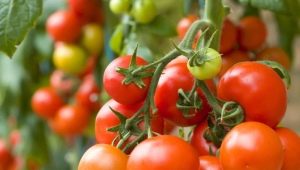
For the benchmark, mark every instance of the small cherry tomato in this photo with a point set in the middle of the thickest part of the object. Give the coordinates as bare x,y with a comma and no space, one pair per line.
45,102
163,153
275,54
92,38
103,157
184,24
63,83
209,162
119,6
228,37
143,11
85,11
251,145
6,157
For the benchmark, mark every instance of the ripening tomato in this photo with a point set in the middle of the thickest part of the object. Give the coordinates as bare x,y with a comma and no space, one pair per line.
88,94
143,11
92,38
63,26
228,37
45,102
103,157
63,83
184,24
86,11
251,145
198,141
258,89
252,33
290,142
69,58
166,96
70,120
275,54
163,152
6,157
209,162
114,86
106,119
119,6
228,60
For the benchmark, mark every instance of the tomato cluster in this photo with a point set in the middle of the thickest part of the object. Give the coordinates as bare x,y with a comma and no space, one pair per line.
73,94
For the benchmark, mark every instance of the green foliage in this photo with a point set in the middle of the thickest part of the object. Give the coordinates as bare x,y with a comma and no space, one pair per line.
17,17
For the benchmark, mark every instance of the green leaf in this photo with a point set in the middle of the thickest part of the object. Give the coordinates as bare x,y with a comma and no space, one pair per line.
17,17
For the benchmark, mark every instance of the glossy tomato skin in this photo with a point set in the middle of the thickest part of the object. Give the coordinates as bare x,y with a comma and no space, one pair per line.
228,36
103,157
88,94
63,26
106,119
258,89
6,157
198,141
275,54
252,33
112,82
70,120
251,145
208,162
290,142
166,96
184,24
163,152
45,102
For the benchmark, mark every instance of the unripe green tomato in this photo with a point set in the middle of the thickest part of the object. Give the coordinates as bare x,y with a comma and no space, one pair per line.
119,6
210,68
144,11
92,38
69,58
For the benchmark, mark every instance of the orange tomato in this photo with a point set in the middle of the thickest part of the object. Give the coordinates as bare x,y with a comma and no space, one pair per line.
275,54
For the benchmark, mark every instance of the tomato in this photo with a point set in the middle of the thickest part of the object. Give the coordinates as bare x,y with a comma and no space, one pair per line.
119,6
228,60
275,54
92,38
85,10
198,141
166,96
290,142
88,94
113,82
90,66
69,58
106,119
209,66
251,145
209,162
163,152
6,157
169,127
258,89
252,33
63,26
63,82
70,120
228,36
45,102
103,157
15,138
184,24
144,11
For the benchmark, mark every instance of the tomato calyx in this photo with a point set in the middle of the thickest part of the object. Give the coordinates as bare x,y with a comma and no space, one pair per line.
133,76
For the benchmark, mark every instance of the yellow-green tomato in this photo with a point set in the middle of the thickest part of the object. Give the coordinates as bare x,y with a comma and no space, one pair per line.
144,11
92,38
207,67
69,58
119,6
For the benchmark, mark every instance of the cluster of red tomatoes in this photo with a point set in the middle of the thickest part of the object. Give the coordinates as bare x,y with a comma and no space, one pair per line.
73,95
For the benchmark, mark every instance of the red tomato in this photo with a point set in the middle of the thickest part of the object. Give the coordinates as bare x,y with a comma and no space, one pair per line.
63,26
106,119
169,127
6,157
275,54
103,157
258,89
45,102
63,83
166,96
228,36
290,142
90,66
252,33
88,94
112,82
86,11
209,162
180,59
163,153
228,60
15,137
70,120
198,141
251,145
184,24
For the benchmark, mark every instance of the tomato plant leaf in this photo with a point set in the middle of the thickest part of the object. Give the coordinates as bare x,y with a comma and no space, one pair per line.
17,17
